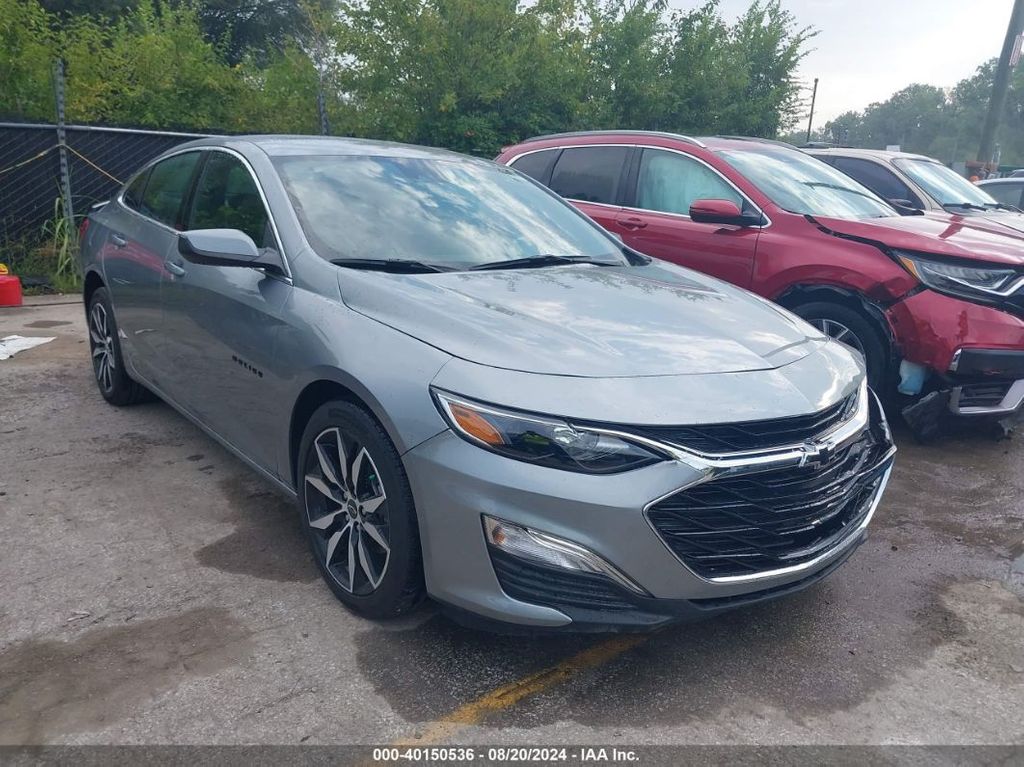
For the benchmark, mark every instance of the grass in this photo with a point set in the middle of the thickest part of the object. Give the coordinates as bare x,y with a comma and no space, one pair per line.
50,256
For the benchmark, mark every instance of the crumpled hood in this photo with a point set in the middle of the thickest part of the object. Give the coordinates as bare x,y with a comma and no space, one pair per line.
969,237
583,320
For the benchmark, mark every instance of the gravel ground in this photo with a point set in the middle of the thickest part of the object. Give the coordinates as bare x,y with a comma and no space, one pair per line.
157,591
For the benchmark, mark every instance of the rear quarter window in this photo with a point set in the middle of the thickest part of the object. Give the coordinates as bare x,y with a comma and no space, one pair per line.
537,165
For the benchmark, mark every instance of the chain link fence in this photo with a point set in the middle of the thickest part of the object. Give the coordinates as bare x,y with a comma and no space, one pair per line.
99,160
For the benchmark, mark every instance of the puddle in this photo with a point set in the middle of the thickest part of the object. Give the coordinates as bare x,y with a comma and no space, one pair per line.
267,541
50,688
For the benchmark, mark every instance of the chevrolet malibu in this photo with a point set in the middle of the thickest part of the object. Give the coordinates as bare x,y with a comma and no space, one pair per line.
475,393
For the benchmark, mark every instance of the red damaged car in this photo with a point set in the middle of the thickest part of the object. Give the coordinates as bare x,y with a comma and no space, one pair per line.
934,302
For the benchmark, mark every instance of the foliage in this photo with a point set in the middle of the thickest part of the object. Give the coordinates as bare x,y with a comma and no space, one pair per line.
61,247
26,58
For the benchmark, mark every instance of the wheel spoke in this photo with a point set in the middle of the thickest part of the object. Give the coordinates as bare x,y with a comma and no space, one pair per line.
98,351
351,560
322,487
342,460
95,336
357,467
325,465
367,564
371,506
332,544
322,523
375,534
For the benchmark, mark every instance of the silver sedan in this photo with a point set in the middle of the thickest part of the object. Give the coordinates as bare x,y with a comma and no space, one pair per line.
475,393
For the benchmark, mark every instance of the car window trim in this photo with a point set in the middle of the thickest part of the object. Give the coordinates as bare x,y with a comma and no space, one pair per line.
746,198
287,277
546,181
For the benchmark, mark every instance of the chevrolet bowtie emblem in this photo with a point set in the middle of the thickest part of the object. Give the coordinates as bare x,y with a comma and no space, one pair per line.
816,454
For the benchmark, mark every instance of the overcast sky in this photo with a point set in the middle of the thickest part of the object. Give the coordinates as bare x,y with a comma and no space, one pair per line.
867,49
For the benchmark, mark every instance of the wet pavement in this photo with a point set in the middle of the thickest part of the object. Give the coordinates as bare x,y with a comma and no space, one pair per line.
155,590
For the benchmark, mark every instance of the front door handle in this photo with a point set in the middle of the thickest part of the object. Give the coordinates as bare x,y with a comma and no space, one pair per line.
176,269
118,240
632,222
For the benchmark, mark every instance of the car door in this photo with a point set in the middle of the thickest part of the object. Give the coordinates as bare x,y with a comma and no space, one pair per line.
879,179
656,219
592,177
220,323
140,232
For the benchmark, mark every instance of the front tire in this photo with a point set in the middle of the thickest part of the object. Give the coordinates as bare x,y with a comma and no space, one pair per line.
851,328
114,383
356,507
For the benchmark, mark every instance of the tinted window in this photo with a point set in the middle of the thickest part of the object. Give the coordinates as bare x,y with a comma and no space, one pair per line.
875,177
589,174
670,183
227,198
450,212
1008,194
167,186
133,193
537,165
802,184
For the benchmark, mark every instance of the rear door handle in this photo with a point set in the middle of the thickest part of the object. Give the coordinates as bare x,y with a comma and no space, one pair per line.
176,269
632,222
118,240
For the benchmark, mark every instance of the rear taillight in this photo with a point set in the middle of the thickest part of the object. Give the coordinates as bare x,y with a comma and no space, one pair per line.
82,229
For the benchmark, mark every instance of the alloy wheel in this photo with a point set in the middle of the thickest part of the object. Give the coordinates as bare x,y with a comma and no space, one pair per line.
102,345
346,509
839,332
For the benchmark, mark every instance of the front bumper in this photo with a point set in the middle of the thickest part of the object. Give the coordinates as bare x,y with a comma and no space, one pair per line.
455,483
976,352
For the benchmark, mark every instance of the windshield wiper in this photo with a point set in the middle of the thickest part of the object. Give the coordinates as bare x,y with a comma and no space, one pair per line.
396,265
544,259
1001,206
964,205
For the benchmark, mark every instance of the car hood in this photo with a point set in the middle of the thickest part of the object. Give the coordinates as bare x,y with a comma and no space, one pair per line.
973,237
584,320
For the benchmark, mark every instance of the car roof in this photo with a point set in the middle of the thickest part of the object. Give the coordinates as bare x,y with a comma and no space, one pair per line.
285,145
1002,181
704,142
881,154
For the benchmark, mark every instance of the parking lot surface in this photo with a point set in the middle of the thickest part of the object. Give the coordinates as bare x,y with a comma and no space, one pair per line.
155,590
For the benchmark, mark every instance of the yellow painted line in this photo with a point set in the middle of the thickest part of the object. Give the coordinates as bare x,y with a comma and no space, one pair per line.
508,695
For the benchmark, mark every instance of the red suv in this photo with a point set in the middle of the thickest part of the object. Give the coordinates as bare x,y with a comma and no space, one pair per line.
934,302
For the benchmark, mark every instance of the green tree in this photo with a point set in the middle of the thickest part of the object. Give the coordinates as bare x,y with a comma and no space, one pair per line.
26,58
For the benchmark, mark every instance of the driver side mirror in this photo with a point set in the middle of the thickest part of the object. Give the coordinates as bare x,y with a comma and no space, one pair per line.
225,247
722,212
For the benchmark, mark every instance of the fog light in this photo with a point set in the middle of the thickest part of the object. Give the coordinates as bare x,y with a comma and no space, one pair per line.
552,551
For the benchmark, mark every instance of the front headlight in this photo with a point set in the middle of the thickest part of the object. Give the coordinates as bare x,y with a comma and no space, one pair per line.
992,281
540,439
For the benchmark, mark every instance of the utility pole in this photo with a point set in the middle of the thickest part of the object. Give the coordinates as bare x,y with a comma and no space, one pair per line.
997,102
62,143
814,96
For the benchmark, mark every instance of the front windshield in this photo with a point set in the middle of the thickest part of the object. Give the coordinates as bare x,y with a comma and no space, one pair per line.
943,184
451,213
805,185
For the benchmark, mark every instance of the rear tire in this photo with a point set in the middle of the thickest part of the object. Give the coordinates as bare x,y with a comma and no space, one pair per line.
116,386
356,507
856,331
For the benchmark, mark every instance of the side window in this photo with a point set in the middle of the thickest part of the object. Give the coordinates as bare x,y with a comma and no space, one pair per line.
537,165
1008,194
589,174
227,198
133,193
877,178
670,183
167,186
